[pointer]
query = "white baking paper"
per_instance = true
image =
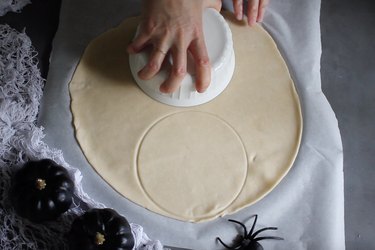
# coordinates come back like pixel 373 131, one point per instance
pixel 307 206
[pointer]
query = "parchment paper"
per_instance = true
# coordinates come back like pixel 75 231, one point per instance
pixel 307 206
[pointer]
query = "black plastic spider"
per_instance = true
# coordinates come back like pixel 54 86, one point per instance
pixel 250 241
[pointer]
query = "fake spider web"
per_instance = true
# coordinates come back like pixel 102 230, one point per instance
pixel 21 140
pixel 12 5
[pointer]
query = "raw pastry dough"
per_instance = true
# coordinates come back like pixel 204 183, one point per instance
pixel 191 164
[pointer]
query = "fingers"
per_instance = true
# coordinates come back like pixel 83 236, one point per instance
pixel 255 11
pixel 177 72
pixel 173 28
pixel 252 12
pixel 262 8
pixel 138 43
pixel 154 64
pixel 202 64
pixel 238 9
pixel 203 68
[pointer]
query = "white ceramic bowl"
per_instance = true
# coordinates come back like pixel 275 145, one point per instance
pixel 218 38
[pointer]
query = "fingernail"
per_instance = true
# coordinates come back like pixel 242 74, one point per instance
pixel 260 18
pixel 202 89
pixel 252 21
pixel 142 73
pixel 163 89
pixel 239 16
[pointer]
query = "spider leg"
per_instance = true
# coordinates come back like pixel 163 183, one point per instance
pixel 243 226
pixel 226 246
pixel 261 230
pixel 253 226
pixel 268 238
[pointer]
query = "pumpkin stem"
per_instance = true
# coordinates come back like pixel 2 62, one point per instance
pixel 40 184
pixel 99 239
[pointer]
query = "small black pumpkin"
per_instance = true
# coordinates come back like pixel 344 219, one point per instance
pixel 41 190
pixel 102 229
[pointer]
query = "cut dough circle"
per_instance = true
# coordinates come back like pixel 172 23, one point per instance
pixel 123 133
pixel 196 161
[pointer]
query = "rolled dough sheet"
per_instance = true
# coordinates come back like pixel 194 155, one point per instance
pixel 191 164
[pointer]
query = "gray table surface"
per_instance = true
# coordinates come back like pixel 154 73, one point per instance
pixel 348 80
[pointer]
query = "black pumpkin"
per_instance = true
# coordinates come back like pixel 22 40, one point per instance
pixel 102 229
pixel 41 190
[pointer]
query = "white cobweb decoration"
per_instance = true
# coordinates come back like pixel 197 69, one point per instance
pixel 12 5
pixel 21 140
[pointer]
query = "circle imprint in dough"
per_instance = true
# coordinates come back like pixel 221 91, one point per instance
pixel 182 168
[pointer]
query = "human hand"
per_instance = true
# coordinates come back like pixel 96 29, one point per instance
pixel 255 10
pixel 175 27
